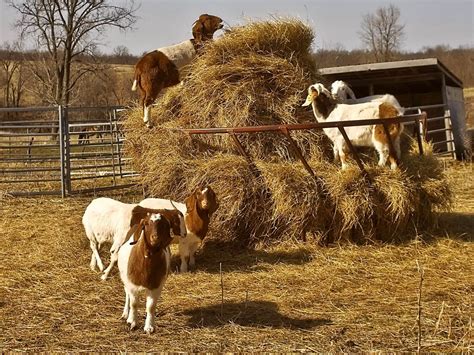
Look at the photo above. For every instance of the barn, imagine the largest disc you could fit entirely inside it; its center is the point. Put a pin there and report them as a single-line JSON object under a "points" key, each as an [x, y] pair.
{"points": [[425, 84]]}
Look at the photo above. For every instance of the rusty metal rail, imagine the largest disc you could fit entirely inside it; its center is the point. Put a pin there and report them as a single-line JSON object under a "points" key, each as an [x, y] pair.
{"points": [[285, 129]]}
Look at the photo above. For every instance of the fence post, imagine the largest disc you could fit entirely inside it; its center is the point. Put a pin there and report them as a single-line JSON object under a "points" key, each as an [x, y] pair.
{"points": [[67, 148], [62, 151]]}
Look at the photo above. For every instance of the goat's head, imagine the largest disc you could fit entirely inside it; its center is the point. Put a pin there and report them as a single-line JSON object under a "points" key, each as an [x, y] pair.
{"points": [[314, 91], [202, 199], [205, 26], [155, 230], [341, 91]]}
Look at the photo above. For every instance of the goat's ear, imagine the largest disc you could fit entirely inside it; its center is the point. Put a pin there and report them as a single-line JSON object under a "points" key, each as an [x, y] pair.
{"points": [[198, 27], [138, 213], [133, 231], [312, 94], [191, 202]]}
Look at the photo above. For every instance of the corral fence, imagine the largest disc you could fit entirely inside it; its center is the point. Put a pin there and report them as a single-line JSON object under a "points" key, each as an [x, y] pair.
{"points": [[418, 121], [438, 129], [62, 150]]}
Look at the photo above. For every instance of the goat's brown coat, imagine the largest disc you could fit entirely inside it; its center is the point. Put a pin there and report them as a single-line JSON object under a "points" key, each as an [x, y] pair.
{"points": [[147, 264], [197, 218]]}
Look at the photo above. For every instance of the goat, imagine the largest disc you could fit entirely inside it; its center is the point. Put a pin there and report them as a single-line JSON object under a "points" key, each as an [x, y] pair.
{"points": [[159, 69], [108, 220], [343, 94], [197, 210], [326, 109], [144, 263], [88, 132]]}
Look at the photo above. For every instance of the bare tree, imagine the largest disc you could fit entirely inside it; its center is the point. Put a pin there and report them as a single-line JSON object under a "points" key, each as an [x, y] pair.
{"points": [[68, 31], [12, 74], [382, 32]]}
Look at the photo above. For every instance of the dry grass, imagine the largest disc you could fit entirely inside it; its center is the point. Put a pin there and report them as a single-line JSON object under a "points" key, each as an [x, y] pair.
{"points": [[256, 75], [296, 297]]}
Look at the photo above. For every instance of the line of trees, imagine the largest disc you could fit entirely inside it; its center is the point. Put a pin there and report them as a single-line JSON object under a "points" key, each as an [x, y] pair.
{"points": [[67, 69]]}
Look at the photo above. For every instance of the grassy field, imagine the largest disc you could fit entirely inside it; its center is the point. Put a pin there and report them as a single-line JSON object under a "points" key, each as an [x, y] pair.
{"points": [[292, 298]]}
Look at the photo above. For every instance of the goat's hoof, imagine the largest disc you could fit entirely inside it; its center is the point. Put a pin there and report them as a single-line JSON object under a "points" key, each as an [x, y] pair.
{"points": [[124, 316], [133, 325], [149, 329], [104, 277]]}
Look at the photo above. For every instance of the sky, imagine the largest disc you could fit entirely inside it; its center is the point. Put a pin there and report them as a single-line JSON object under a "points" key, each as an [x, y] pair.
{"points": [[336, 23]]}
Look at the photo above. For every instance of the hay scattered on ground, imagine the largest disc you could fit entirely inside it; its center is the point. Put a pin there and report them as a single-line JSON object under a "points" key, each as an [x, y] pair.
{"points": [[250, 78]]}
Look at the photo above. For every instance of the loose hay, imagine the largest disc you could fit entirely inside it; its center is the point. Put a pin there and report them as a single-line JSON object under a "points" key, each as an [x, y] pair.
{"points": [[257, 75]]}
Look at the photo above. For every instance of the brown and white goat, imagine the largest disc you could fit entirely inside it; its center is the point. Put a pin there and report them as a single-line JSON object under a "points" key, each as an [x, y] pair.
{"points": [[326, 109], [197, 210], [144, 263], [160, 69]]}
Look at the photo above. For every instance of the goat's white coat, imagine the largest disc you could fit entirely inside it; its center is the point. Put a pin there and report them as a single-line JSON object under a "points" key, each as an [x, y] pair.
{"points": [[358, 135], [132, 291], [188, 245], [341, 91], [106, 220], [180, 54]]}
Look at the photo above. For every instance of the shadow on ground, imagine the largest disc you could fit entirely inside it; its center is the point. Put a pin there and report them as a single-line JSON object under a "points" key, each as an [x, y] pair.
{"points": [[236, 258], [458, 225], [248, 314]]}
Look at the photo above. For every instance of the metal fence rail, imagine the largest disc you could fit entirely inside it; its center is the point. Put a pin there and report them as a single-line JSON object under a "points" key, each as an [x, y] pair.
{"points": [[57, 151]]}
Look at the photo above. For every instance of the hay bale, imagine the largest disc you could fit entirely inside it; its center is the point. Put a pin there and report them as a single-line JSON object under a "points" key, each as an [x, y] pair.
{"points": [[255, 75]]}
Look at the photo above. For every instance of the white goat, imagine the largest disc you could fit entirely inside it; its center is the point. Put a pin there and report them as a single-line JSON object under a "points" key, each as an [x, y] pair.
{"points": [[326, 109], [144, 263], [108, 220], [343, 94]]}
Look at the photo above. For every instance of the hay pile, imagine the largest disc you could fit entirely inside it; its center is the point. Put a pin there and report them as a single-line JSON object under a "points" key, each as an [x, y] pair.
{"points": [[258, 74]]}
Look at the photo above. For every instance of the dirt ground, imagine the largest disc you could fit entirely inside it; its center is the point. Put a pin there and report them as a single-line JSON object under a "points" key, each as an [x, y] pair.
{"points": [[292, 298]]}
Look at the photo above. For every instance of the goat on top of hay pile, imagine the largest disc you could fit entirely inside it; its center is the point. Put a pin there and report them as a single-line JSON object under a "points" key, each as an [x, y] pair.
{"points": [[326, 109], [160, 69]]}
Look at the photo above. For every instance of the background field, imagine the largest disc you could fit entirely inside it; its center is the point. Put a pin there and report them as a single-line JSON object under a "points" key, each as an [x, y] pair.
{"points": [[290, 298]]}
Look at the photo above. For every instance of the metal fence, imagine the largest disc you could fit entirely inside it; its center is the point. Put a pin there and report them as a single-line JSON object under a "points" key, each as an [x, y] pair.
{"points": [[62, 150], [441, 134]]}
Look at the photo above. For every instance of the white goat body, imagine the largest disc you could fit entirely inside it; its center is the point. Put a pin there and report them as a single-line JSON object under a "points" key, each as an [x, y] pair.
{"points": [[371, 135], [106, 220]]}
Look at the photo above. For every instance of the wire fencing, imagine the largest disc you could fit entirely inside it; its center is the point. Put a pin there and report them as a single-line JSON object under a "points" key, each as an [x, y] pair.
{"points": [[63, 150]]}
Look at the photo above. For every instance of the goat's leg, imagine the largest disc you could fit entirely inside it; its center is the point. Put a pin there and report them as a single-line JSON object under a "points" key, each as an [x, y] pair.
{"points": [[192, 250], [132, 313], [342, 151], [126, 306], [95, 258], [383, 151], [113, 259], [184, 255], [335, 150], [151, 300], [393, 160]]}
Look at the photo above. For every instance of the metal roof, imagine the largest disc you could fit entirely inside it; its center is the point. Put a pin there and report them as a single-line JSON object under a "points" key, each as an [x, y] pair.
{"points": [[409, 69]]}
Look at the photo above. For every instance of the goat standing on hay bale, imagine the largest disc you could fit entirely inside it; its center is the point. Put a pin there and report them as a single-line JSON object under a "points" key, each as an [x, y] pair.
{"points": [[160, 69], [144, 263], [197, 210], [326, 109]]}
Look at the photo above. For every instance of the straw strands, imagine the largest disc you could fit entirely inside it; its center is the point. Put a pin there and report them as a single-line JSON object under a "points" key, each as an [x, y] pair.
{"points": [[255, 75]]}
